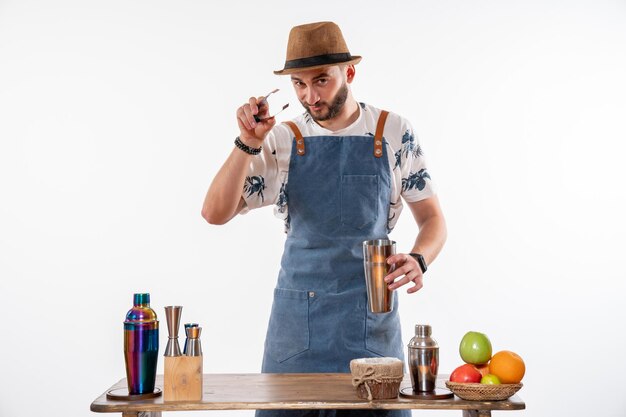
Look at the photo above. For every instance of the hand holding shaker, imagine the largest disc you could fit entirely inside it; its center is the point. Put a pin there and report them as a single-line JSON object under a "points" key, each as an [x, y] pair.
{"points": [[375, 254], [141, 345], [423, 359]]}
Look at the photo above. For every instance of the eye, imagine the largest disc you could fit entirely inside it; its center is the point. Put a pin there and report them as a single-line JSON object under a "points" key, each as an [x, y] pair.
{"points": [[322, 81], [297, 83]]}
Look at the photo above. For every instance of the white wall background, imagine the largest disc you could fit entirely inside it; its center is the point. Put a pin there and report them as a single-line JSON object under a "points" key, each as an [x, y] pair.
{"points": [[115, 115]]}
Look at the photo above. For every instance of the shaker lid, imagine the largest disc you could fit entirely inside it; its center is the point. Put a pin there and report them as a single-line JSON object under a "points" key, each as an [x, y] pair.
{"points": [[422, 339], [141, 298], [141, 311], [423, 330]]}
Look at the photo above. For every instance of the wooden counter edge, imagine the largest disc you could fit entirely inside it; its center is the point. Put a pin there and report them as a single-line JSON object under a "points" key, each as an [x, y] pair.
{"points": [[103, 405]]}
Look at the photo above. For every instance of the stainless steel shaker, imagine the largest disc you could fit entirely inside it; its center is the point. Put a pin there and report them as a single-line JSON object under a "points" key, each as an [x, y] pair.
{"points": [[375, 254], [423, 359]]}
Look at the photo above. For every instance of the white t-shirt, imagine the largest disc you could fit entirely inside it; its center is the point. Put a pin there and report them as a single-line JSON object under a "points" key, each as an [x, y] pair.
{"points": [[269, 171]]}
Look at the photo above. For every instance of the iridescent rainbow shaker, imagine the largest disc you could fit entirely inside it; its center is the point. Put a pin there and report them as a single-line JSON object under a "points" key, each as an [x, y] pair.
{"points": [[141, 345]]}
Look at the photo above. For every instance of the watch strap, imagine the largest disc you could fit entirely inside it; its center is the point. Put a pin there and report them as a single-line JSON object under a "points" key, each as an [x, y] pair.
{"points": [[420, 261]]}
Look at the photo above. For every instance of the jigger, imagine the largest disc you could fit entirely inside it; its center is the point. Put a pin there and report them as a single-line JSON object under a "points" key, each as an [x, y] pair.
{"points": [[188, 325], [194, 348], [172, 315]]}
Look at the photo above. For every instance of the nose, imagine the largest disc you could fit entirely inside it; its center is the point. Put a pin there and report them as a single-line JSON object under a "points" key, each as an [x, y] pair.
{"points": [[311, 96]]}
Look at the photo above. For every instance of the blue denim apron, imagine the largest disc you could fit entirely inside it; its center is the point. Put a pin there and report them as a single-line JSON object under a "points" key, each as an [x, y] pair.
{"points": [[338, 194]]}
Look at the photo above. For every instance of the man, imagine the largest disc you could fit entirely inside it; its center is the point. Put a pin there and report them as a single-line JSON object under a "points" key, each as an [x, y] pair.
{"points": [[336, 175]]}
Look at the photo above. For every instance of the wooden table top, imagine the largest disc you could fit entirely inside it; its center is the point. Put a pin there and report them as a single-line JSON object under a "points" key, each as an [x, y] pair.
{"points": [[290, 391]]}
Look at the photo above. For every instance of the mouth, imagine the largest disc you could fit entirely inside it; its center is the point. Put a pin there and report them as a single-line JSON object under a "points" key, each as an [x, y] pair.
{"points": [[316, 108]]}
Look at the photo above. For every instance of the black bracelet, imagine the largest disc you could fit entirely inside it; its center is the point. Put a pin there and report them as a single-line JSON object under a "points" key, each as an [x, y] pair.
{"points": [[420, 260], [247, 149]]}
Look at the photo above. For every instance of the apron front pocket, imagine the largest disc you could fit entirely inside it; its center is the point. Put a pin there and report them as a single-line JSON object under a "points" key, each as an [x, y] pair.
{"points": [[359, 200], [288, 330], [383, 335]]}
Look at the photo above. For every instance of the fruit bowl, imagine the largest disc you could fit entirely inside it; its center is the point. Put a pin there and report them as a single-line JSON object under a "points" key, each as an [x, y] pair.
{"points": [[482, 392]]}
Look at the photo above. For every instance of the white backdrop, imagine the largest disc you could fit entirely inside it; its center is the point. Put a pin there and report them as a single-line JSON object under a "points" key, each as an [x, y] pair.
{"points": [[115, 115]]}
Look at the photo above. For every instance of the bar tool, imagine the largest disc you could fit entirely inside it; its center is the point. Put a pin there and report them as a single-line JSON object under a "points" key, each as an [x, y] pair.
{"points": [[172, 315], [375, 254], [264, 99], [194, 348], [424, 365], [187, 325], [141, 345]]}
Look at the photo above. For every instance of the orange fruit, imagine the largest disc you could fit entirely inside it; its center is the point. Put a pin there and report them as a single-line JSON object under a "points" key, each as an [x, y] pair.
{"points": [[508, 366]]}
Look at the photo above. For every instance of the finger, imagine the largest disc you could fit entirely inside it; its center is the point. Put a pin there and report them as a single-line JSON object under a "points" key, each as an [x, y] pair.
{"points": [[268, 124], [400, 259], [249, 116], [263, 127], [242, 119], [418, 286], [252, 101], [403, 281], [263, 110], [403, 270]]}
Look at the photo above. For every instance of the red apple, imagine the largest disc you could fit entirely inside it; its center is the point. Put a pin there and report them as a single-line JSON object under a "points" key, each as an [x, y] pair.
{"points": [[466, 373]]}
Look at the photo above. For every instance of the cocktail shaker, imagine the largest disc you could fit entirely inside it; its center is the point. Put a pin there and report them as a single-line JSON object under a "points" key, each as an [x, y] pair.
{"points": [[141, 345], [423, 359], [375, 254]]}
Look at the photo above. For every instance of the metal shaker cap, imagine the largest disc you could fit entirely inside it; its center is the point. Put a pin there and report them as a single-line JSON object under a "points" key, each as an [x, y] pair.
{"points": [[422, 339], [141, 298], [423, 330]]}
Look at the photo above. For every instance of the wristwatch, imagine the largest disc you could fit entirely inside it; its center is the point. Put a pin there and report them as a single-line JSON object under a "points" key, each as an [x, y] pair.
{"points": [[420, 260]]}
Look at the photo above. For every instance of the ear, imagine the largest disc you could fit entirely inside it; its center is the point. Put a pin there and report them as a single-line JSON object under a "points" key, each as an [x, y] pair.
{"points": [[350, 72]]}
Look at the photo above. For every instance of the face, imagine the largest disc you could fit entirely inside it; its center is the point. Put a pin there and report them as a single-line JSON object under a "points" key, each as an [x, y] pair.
{"points": [[322, 92]]}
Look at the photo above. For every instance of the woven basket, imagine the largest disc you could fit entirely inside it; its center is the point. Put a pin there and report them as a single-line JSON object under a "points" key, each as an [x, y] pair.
{"points": [[482, 392]]}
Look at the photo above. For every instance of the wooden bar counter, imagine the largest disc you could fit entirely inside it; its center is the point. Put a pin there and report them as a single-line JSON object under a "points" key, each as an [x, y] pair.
{"points": [[290, 391]]}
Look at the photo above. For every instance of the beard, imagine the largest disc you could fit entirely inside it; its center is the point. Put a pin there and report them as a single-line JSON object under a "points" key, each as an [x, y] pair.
{"points": [[331, 109]]}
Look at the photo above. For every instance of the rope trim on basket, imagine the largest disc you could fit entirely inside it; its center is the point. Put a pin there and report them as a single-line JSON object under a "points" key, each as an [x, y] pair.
{"points": [[370, 375]]}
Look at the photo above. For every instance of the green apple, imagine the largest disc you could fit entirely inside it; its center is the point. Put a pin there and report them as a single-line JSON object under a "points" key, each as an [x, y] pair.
{"points": [[475, 348], [490, 379]]}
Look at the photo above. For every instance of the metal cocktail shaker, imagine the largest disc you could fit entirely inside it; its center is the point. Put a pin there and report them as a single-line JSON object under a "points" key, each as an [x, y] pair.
{"points": [[141, 345], [375, 254], [423, 359]]}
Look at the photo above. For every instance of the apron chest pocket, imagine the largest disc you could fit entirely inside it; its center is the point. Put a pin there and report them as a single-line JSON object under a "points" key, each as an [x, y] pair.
{"points": [[288, 330], [359, 200]]}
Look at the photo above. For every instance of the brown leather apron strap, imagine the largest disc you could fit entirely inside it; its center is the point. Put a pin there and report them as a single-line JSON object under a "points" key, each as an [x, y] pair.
{"points": [[378, 137], [299, 138]]}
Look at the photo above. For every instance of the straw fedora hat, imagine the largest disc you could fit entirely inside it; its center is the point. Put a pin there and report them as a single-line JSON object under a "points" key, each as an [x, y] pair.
{"points": [[316, 45]]}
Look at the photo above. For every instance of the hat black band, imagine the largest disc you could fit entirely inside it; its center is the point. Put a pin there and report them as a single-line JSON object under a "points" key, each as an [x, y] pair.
{"points": [[318, 60]]}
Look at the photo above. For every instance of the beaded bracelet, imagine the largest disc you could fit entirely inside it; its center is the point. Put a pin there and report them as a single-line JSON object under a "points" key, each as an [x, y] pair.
{"points": [[247, 149]]}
